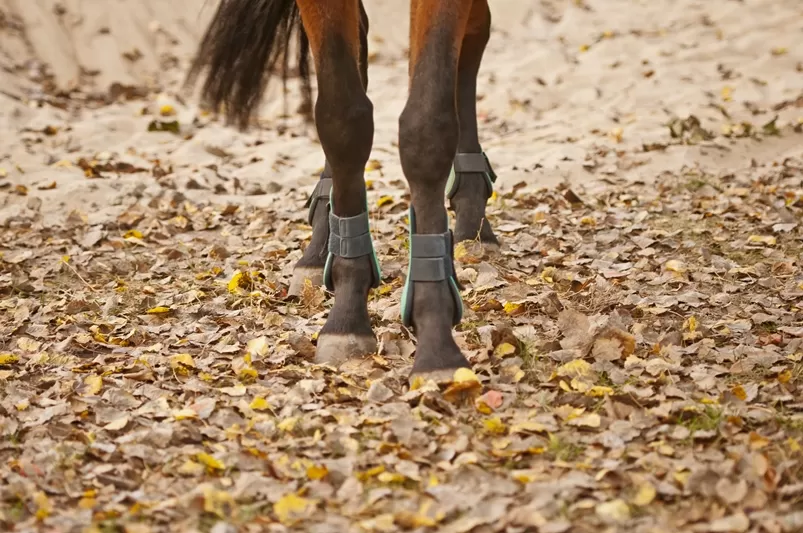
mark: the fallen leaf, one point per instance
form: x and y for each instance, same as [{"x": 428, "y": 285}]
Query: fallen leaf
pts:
[{"x": 290, "y": 509}]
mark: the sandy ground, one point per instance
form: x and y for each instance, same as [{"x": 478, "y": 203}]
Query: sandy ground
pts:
[
  {"x": 637, "y": 347},
  {"x": 561, "y": 80}
]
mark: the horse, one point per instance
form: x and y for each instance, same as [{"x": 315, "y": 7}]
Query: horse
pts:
[{"x": 249, "y": 41}]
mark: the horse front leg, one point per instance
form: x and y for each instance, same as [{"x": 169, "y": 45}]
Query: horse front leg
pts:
[
  {"x": 344, "y": 119},
  {"x": 428, "y": 139},
  {"x": 311, "y": 264}
]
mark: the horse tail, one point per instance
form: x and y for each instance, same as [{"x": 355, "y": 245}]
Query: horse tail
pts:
[{"x": 244, "y": 44}]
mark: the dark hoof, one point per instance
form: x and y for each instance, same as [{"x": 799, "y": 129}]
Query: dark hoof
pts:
[
  {"x": 335, "y": 349},
  {"x": 300, "y": 276}
]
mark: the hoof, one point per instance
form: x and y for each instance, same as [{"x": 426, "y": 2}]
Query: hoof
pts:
[
  {"x": 337, "y": 348},
  {"x": 301, "y": 275}
]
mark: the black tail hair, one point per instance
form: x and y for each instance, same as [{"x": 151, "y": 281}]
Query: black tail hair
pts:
[{"x": 243, "y": 45}]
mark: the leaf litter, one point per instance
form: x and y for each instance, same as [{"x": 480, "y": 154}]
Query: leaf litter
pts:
[
  {"x": 642, "y": 372},
  {"x": 637, "y": 362}
]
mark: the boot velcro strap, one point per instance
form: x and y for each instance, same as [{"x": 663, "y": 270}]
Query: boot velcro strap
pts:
[
  {"x": 350, "y": 237},
  {"x": 320, "y": 192},
  {"x": 430, "y": 257},
  {"x": 471, "y": 163}
]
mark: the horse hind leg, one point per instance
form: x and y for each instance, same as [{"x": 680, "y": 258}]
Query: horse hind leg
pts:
[{"x": 472, "y": 181}]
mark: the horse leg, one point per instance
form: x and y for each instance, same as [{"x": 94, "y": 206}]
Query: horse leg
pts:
[
  {"x": 345, "y": 123},
  {"x": 471, "y": 183},
  {"x": 428, "y": 140},
  {"x": 310, "y": 265}
]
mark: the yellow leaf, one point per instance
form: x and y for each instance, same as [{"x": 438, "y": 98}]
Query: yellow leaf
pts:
[
  {"x": 158, "y": 310},
  {"x": 766, "y": 240},
  {"x": 390, "y": 477},
  {"x": 247, "y": 374},
  {"x": 785, "y": 376},
  {"x": 614, "y": 511},
  {"x": 460, "y": 251},
  {"x": 584, "y": 47},
  {"x": 727, "y": 93},
  {"x": 676, "y": 266},
  {"x": 316, "y": 472},
  {"x": 43, "y": 505},
  {"x": 739, "y": 392},
  {"x": 590, "y": 420},
  {"x": 645, "y": 495},
  {"x": 527, "y": 427},
  {"x": 210, "y": 462},
  {"x": 465, "y": 375},
  {"x": 257, "y": 347},
  {"x": 464, "y": 385},
  {"x": 133, "y": 233},
  {"x": 794, "y": 445},
  {"x": 598, "y": 391},
  {"x": 167, "y": 110},
  {"x": 291, "y": 508},
  {"x": 779, "y": 51},
  {"x": 409, "y": 520},
  {"x": 92, "y": 385},
  {"x": 288, "y": 424},
  {"x": 8, "y": 359},
  {"x": 371, "y": 472},
  {"x": 236, "y": 390},
  {"x": 218, "y": 502},
  {"x": 384, "y": 200},
  {"x": 504, "y": 349},
  {"x": 181, "y": 363},
  {"x": 681, "y": 476},
  {"x": 87, "y": 502},
  {"x": 575, "y": 369},
  {"x": 191, "y": 468},
  {"x": 483, "y": 407},
  {"x": 259, "y": 404},
  {"x": 588, "y": 221},
  {"x": 494, "y": 426},
  {"x": 548, "y": 274},
  {"x": 513, "y": 308},
  {"x": 184, "y": 414},
  {"x": 237, "y": 280},
  {"x": 373, "y": 164},
  {"x": 692, "y": 323},
  {"x": 757, "y": 441}
]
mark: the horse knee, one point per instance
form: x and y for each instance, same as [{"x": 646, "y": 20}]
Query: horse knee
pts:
[
  {"x": 346, "y": 129},
  {"x": 428, "y": 136}
]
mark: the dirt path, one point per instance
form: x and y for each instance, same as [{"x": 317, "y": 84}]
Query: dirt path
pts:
[{"x": 637, "y": 344}]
